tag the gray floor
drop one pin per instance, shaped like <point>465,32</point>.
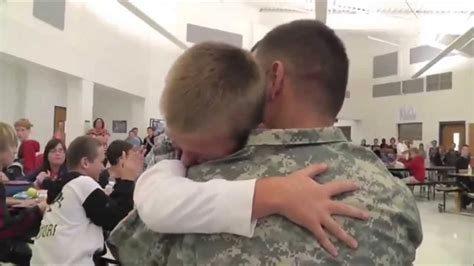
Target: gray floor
<point>448,237</point>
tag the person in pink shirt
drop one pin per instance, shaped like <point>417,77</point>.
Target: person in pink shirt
<point>99,131</point>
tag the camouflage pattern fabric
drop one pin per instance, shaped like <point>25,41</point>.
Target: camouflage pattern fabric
<point>390,237</point>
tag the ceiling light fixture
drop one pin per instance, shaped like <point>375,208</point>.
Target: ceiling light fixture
<point>384,41</point>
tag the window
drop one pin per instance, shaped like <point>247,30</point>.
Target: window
<point>386,89</point>
<point>457,140</point>
<point>385,65</point>
<point>443,81</point>
<point>410,131</point>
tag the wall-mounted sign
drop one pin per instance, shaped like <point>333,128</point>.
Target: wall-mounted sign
<point>119,126</point>
<point>407,113</point>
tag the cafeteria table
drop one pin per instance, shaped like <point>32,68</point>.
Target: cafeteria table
<point>13,187</point>
<point>400,172</point>
<point>443,171</point>
<point>462,175</point>
<point>465,181</point>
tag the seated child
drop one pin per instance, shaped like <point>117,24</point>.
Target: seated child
<point>71,231</point>
<point>15,228</point>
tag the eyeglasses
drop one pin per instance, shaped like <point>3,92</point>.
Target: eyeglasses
<point>57,151</point>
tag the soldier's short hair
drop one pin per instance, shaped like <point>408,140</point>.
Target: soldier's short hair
<point>315,60</point>
<point>214,86</point>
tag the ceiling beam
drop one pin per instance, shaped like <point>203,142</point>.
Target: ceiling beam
<point>141,15</point>
<point>456,44</point>
<point>321,10</point>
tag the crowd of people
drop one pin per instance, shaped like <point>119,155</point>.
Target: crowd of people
<point>433,156</point>
<point>250,209</point>
<point>75,177</point>
<point>415,160</point>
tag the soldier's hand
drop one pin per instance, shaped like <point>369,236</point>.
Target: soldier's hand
<point>310,204</point>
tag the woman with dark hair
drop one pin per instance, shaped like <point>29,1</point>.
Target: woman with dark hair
<point>393,144</point>
<point>383,145</point>
<point>53,167</point>
<point>421,149</point>
<point>149,140</point>
<point>99,131</point>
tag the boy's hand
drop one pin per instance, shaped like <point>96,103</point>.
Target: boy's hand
<point>43,206</point>
<point>310,205</point>
<point>307,203</point>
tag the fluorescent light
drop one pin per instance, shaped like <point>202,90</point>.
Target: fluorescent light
<point>384,41</point>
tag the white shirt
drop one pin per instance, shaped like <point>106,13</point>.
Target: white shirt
<point>401,147</point>
<point>167,202</point>
<point>67,236</point>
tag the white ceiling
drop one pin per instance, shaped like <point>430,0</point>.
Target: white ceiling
<point>396,16</point>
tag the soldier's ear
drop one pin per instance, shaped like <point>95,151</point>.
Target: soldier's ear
<point>276,82</point>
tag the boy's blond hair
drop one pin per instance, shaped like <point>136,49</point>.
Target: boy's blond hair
<point>214,86</point>
<point>23,122</point>
<point>7,137</point>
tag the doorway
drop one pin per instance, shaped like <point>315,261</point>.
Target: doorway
<point>346,130</point>
<point>471,138</point>
<point>59,122</point>
<point>452,132</point>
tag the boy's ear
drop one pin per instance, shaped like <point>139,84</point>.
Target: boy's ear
<point>122,158</point>
<point>84,162</point>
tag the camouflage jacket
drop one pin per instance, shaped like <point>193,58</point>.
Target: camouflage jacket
<point>390,237</point>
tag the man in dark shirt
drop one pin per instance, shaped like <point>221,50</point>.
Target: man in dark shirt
<point>462,164</point>
<point>149,140</point>
<point>376,148</point>
<point>452,156</point>
<point>383,145</point>
<point>433,150</point>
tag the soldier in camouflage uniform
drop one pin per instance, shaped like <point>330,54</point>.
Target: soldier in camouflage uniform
<point>389,238</point>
